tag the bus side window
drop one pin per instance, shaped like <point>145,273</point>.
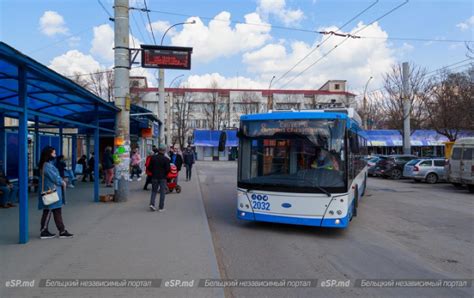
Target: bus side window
<point>353,155</point>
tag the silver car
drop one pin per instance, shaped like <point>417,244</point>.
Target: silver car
<point>430,170</point>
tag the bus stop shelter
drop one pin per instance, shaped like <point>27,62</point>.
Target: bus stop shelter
<point>35,94</point>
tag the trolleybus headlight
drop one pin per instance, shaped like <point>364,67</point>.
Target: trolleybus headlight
<point>241,205</point>
<point>247,206</point>
<point>337,221</point>
<point>331,212</point>
<point>242,213</point>
<point>339,212</point>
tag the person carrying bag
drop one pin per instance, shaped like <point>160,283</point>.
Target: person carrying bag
<point>51,200</point>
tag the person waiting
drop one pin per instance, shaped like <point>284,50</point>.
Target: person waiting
<point>9,192</point>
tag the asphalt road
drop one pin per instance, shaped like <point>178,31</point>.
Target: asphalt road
<point>403,230</point>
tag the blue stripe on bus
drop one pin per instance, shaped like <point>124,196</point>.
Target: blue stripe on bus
<point>317,222</point>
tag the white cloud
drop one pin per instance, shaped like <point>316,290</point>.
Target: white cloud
<point>278,9</point>
<point>404,49</point>
<point>220,39</point>
<point>160,27</point>
<point>52,23</point>
<point>150,75</point>
<point>103,42</point>
<point>469,23</point>
<point>73,41</point>
<point>73,62</point>
<point>204,81</point>
<point>355,60</point>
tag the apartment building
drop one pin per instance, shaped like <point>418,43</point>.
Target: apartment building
<point>216,109</point>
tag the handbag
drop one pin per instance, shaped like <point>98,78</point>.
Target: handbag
<point>79,169</point>
<point>49,197</point>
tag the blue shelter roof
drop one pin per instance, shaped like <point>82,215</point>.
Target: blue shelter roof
<point>50,96</point>
<point>139,118</point>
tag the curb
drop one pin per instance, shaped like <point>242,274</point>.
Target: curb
<point>215,266</point>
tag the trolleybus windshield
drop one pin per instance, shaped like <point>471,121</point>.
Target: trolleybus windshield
<point>293,155</point>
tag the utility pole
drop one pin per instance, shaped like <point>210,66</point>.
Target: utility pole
<point>270,96</point>
<point>406,110</point>
<point>161,103</point>
<point>122,99</point>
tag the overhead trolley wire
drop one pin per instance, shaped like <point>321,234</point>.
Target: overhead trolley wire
<point>337,45</point>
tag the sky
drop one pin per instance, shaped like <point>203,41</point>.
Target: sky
<point>244,43</point>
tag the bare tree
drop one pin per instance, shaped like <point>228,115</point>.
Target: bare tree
<point>247,103</point>
<point>100,82</point>
<point>81,80</point>
<point>451,108</point>
<point>470,51</point>
<point>215,111</point>
<point>375,113</point>
<point>181,112</point>
<point>419,91</point>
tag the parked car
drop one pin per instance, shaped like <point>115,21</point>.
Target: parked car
<point>392,166</point>
<point>430,170</point>
<point>372,161</point>
<point>461,164</point>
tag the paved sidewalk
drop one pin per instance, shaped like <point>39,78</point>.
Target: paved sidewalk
<point>114,241</point>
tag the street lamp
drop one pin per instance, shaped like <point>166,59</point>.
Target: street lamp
<point>161,83</point>
<point>271,81</point>
<point>270,97</point>
<point>364,124</point>
<point>172,81</point>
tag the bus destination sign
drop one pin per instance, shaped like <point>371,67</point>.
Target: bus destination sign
<point>166,57</point>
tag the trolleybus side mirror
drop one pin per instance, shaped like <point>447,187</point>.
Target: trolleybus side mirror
<point>222,140</point>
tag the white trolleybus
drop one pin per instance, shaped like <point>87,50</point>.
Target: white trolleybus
<point>301,167</point>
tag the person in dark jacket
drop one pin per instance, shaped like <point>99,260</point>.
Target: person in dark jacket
<point>159,167</point>
<point>9,192</point>
<point>83,162</point>
<point>108,166</point>
<point>66,174</point>
<point>90,168</point>
<point>188,161</point>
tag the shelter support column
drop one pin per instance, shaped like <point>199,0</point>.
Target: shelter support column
<point>88,146</point>
<point>23,155</point>
<point>74,152</point>
<point>3,148</point>
<point>37,141</point>
<point>96,155</point>
<point>60,141</point>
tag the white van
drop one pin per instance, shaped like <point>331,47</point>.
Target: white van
<point>461,165</point>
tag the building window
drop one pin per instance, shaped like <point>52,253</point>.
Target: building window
<point>246,107</point>
<point>337,86</point>
<point>286,106</point>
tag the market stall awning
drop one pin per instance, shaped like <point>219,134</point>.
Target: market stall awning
<point>210,138</point>
<point>393,138</point>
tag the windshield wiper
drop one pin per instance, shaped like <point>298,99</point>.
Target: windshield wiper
<point>323,190</point>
